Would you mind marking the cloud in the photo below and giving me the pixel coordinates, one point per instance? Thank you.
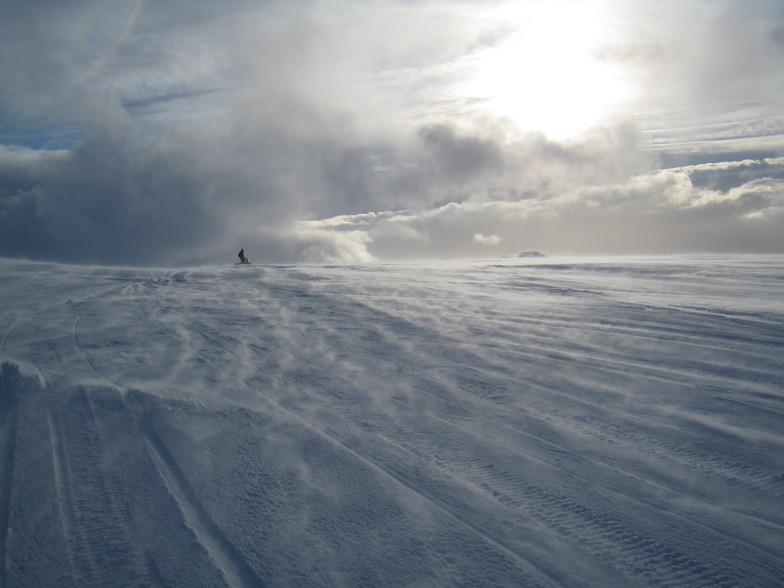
(708, 72)
(698, 53)
(327, 132)
(335, 247)
(662, 212)
(206, 127)
(487, 239)
(187, 193)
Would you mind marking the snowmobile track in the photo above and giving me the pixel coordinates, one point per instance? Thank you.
(229, 561)
(639, 554)
(603, 536)
(101, 542)
(420, 425)
(8, 424)
(538, 576)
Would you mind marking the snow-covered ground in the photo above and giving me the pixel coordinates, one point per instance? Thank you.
(555, 422)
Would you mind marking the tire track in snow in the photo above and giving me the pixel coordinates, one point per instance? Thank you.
(8, 432)
(537, 574)
(638, 555)
(99, 533)
(639, 325)
(80, 349)
(712, 466)
(6, 334)
(635, 439)
(740, 472)
(227, 558)
(7, 450)
(643, 552)
(223, 553)
(732, 473)
(8, 424)
(60, 480)
(650, 447)
(605, 537)
(624, 365)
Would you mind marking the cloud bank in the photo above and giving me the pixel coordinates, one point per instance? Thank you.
(662, 212)
(137, 133)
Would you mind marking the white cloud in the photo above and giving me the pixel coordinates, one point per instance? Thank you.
(323, 246)
(487, 239)
(660, 212)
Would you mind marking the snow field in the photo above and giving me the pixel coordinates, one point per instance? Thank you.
(555, 422)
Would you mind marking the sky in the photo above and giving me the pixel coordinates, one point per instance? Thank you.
(348, 131)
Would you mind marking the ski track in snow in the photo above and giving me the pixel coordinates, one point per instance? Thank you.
(613, 422)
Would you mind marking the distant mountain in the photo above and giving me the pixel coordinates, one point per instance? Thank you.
(531, 254)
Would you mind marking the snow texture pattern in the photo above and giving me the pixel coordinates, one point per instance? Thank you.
(522, 422)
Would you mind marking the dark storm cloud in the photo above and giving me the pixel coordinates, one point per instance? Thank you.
(204, 128)
(128, 197)
(95, 204)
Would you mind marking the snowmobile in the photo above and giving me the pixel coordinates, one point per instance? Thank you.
(243, 260)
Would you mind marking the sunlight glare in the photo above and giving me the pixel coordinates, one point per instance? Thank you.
(545, 72)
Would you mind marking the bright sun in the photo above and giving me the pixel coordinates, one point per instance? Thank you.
(545, 73)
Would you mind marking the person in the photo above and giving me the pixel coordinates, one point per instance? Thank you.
(242, 257)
